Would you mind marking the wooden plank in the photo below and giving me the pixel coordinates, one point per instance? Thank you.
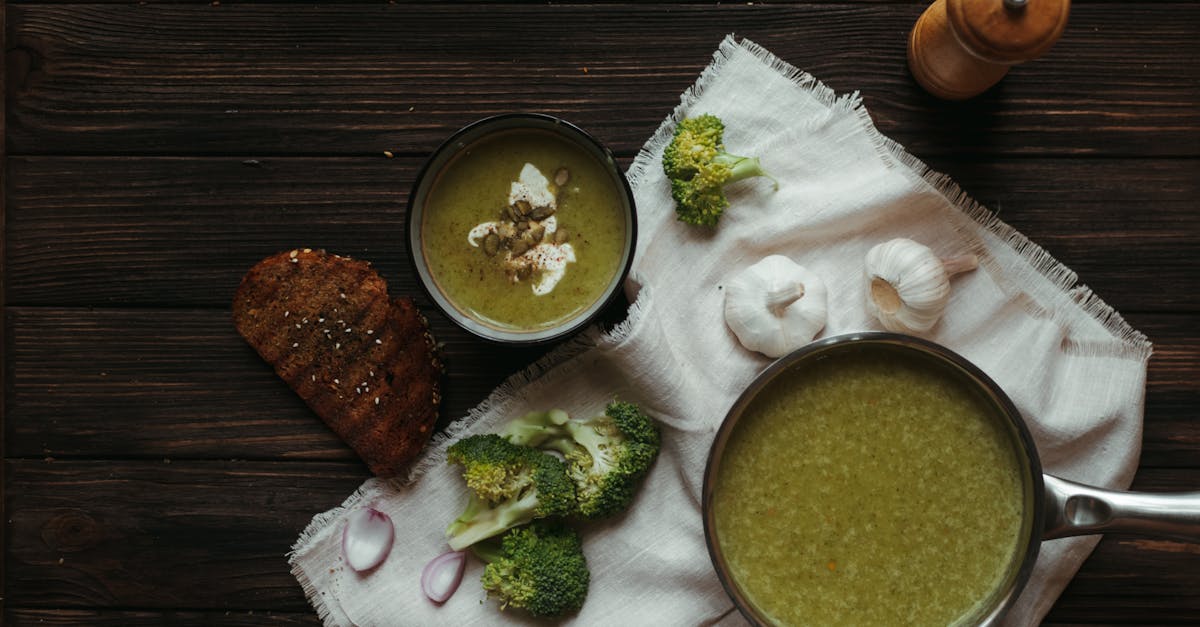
(4, 340)
(182, 231)
(209, 536)
(181, 384)
(358, 79)
(1169, 438)
(156, 535)
(1074, 610)
(1171, 432)
(29, 617)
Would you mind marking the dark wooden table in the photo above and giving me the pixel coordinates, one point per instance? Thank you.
(156, 471)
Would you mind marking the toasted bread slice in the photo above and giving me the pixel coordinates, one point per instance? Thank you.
(366, 364)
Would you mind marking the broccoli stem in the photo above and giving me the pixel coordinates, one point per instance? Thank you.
(742, 167)
(535, 428)
(480, 522)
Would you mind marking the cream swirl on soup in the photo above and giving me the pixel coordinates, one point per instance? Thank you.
(547, 260)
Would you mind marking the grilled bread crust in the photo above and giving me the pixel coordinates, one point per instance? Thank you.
(366, 364)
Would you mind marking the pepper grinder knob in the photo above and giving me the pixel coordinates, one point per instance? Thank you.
(960, 48)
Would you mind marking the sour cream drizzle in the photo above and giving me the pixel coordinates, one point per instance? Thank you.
(547, 260)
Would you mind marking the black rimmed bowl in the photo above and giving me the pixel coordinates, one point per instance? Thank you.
(1051, 507)
(421, 213)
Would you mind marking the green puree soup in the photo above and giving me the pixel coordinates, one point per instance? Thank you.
(868, 488)
(494, 282)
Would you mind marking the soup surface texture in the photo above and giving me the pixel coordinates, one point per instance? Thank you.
(868, 489)
(474, 188)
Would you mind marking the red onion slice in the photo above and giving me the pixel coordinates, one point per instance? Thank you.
(367, 538)
(442, 574)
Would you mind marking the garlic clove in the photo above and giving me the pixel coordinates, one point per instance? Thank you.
(775, 306)
(908, 286)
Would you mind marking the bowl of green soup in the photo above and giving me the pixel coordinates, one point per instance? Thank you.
(878, 478)
(522, 228)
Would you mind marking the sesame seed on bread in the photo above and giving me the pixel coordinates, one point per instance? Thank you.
(365, 363)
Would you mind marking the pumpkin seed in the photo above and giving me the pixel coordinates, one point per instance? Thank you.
(523, 225)
(519, 247)
(538, 232)
(541, 213)
(561, 236)
(523, 207)
(561, 177)
(491, 244)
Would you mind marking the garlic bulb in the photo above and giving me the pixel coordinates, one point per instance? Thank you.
(775, 306)
(908, 286)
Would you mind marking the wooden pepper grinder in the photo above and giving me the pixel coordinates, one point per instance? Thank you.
(960, 48)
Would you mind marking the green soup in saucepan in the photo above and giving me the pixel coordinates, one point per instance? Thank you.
(523, 230)
(868, 488)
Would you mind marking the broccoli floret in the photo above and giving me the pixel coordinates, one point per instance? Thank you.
(539, 568)
(699, 168)
(607, 455)
(509, 485)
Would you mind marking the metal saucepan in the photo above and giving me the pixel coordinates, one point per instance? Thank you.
(1054, 508)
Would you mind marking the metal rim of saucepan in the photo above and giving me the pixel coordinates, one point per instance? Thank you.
(1003, 596)
(463, 139)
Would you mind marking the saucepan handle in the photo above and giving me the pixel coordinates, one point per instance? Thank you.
(1074, 509)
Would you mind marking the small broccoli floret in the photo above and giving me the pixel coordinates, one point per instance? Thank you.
(539, 568)
(510, 485)
(618, 449)
(607, 455)
(699, 169)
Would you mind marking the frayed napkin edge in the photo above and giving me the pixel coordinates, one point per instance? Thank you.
(1126, 343)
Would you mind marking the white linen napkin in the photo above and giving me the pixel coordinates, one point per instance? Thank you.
(1073, 367)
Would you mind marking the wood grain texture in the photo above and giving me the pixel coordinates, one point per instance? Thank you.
(182, 231)
(212, 536)
(4, 389)
(180, 383)
(165, 535)
(30, 617)
(358, 79)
